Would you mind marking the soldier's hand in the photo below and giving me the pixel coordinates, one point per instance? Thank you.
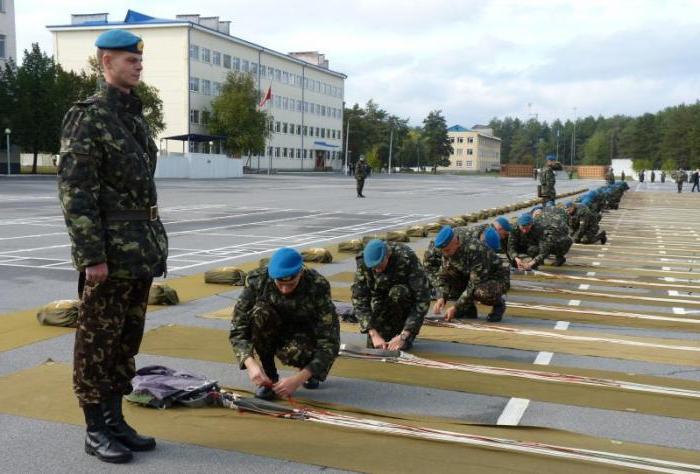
(439, 304)
(396, 343)
(378, 342)
(96, 273)
(288, 385)
(450, 314)
(519, 263)
(257, 374)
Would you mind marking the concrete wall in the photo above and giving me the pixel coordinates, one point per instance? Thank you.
(7, 28)
(516, 171)
(198, 166)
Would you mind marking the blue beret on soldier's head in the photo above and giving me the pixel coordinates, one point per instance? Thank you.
(536, 208)
(568, 204)
(525, 219)
(551, 158)
(586, 201)
(492, 239)
(504, 223)
(444, 236)
(284, 263)
(374, 253)
(120, 40)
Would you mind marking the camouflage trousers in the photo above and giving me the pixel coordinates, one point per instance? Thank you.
(590, 237)
(360, 186)
(110, 328)
(389, 313)
(487, 292)
(561, 245)
(271, 339)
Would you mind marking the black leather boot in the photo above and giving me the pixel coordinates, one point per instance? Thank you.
(312, 383)
(99, 441)
(117, 426)
(468, 313)
(497, 311)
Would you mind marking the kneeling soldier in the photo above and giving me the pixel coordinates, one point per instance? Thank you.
(285, 310)
(528, 239)
(390, 294)
(472, 268)
(584, 225)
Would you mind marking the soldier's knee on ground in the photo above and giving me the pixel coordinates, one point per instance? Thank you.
(297, 351)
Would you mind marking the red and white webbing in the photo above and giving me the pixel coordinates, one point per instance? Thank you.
(610, 280)
(618, 314)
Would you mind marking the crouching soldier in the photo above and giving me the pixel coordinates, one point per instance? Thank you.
(472, 272)
(285, 310)
(556, 230)
(584, 224)
(528, 239)
(390, 294)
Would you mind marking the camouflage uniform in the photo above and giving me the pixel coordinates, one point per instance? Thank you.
(547, 181)
(556, 224)
(394, 300)
(610, 176)
(584, 225)
(108, 194)
(432, 258)
(301, 329)
(680, 178)
(536, 244)
(473, 273)
(360, 175)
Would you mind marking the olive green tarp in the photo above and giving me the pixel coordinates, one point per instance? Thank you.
(312, 443)
(213, 345)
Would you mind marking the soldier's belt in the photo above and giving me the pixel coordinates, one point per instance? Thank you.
(150, 214)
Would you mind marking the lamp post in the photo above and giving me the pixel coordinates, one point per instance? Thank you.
(7, 136)
(347, 138)
(391, 146)
(211, 148)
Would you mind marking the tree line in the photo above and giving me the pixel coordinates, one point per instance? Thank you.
(668, 139)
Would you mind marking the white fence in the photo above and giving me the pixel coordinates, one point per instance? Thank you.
(198, 166)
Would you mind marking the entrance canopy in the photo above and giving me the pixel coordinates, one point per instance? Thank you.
(196, 137)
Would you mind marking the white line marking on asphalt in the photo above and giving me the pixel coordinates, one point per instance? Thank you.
(543, 358)
(601, 255)
(662, 252)
(604, 249)
(673, 293)
(584, 286)
(678, 311)
(667, 269)
(34, 236)
(513, 412)
(662, 246)
(590, 274)
(574, 303)
(595, 264)
(562, 325)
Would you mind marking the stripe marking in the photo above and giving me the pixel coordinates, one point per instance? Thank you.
(573, 303)
(678, 311)
(584, 286)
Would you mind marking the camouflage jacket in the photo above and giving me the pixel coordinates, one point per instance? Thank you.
(432, 258)
(548, 179)
(555, 219)
(519, 242)
(107, 164)
(477, 263)
(309, 309)
(360, 170)
(610, 177)
(403, 268)
(583, 222)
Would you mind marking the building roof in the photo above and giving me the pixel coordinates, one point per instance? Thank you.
(458, 128)
(134, 19)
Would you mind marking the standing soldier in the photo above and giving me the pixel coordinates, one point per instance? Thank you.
(680, 178)
(663, 176)
(471, 271)
(360, 175)
(641, 176)
(622, 176)
(695, 179)
(285, 310)
(584, 224)
(610, 176)
(653, 176)
(109, 201)
(390, 294)
(547, 181)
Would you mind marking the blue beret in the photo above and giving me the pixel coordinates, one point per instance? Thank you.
(568, 204)
(492, 239)
(505, 223)
(525, 219)
(284, 263)
(551, 158)
(586, 201)
(120, 40)
(536, 208)
(374, 253)
(444, 236)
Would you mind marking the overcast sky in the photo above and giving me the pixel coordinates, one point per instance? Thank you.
(472, 60)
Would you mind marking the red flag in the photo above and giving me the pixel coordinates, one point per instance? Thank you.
(268, 96)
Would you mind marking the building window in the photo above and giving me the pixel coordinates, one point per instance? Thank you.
(278, 101)
(318, 131)
(458, 163)
(262, 70)
(194, 115)
(194, 84)
(298, 129)
(216, 58)
(305, 152)
(470, 140)
(2, 5)
(306, 130)
(278, 127)
(311, 131)
(285, 103)
(269, 151)
(206, 87)
(254, 69)
(205, 117)
(277, 151)
(236, 64)
(272, 126)
(2, 46)
(244, 65)
(323, 133)
(271, 72)
(468, 164)
(298, 152)
(227, 61)
(216, 89)
(284, 127)
(470, 151)
(278, 75)
(292, 104)
(318, 109)
(194, 52)
(206, 55)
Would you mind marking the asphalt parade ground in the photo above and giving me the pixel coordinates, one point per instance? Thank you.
(601, 354)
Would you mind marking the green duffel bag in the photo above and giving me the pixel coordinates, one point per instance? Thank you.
(162, 294)
(319, 255)
(433, 227)
(417, 231)
(351, 246)
(63, 313)
(458, 221)
(225, 276)
(397, 236)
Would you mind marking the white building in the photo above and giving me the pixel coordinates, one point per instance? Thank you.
(475, 149)
(188, 59)
(8, 40)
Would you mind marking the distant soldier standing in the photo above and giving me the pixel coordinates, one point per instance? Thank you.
(610, 176)
(390, 294)
(285, 311)
(109, 201)
(547, 181)
(663, 176)
(622, 176)
(653, 176)
(681, 177)
(360, 175)
(695, 179)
